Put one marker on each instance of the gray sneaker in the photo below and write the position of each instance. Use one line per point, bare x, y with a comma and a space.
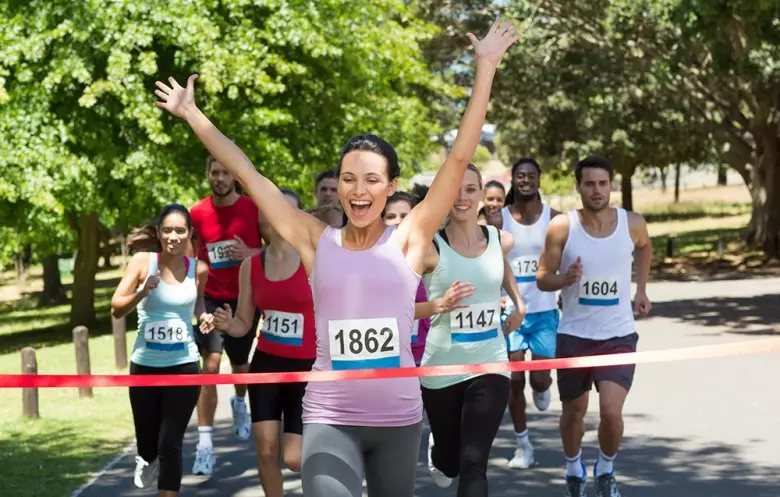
606, 486
575, 487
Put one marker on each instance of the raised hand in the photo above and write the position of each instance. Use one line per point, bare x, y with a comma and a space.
151, 283
206, 323
176, 99
642, 304
496, 42
452, 297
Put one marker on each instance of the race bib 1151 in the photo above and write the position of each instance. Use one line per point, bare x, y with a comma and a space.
284, 328
599, 291
364, 343
475, 323
218, 255
170, 334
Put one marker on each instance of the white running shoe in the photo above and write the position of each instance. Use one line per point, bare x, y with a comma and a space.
241, 423
205, 460
145, 473
524, 457
440, 479
542, 399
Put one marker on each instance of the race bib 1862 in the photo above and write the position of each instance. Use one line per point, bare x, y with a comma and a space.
364, 343
218, 256
524, 268
599, 291
475, 323
284, 328
170, 334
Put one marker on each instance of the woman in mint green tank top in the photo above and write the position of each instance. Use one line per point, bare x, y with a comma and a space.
465, 410
166, 287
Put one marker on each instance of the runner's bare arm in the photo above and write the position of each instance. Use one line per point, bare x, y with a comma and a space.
125, 296
201, 277
298, 228
643, 254
417, 229
548, 277
242, 321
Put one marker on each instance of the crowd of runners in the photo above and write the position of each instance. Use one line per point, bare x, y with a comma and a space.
373, 277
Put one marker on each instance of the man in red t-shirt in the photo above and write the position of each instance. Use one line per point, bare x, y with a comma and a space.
227, 231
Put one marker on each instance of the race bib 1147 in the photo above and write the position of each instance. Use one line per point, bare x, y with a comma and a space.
170, 334
218, 255
599, 291
284, 328
364, 343
475, 323
524, 268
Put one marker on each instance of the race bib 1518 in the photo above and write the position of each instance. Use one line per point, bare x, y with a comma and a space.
599, 291
284, 328
475, 323
218, 255
364, 343
170, 334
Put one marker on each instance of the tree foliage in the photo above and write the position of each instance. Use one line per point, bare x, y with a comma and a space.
289, 80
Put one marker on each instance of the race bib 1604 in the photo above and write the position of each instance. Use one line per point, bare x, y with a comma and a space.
284, 328
599, 291
364, 343
475, 323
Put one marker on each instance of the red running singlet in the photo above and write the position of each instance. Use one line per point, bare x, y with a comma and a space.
215, 228
288, 313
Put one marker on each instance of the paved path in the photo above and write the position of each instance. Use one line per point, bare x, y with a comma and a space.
705, 428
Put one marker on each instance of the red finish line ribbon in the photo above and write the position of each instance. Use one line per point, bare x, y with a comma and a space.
752, 347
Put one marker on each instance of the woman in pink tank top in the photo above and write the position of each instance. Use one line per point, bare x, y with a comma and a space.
364, 280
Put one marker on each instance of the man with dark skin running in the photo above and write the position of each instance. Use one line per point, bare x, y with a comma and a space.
227, 227
526, 217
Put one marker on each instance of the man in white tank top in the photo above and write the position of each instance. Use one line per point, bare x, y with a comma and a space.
588, 255
526, 218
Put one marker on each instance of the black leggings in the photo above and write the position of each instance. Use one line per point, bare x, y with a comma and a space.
464, 420
161, 416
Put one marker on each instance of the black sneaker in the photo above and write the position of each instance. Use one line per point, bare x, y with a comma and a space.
606, 486
575, 487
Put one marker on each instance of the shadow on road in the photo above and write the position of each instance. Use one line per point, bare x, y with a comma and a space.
647, 466
755, 316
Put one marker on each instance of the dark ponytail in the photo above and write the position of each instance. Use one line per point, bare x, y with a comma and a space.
510, 197
146, 239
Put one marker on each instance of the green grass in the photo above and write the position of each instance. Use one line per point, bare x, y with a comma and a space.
74, 437
692, 210
695, 243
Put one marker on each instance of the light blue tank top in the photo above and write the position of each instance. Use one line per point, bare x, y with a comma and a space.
472, 335
165, 334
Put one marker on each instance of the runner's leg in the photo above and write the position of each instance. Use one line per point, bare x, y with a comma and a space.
332, 461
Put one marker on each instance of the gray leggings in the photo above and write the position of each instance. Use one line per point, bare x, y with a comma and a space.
335, 458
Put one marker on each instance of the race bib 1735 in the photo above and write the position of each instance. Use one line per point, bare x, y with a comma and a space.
524, 268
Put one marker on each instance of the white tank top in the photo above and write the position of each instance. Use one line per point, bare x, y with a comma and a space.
599, 306
524, 260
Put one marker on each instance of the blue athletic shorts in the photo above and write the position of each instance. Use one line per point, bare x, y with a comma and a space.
537, 333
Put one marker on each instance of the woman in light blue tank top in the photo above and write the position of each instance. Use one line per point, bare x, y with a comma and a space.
364, 280
166, 287
465, 410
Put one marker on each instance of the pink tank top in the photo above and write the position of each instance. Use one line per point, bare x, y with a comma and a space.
364, 310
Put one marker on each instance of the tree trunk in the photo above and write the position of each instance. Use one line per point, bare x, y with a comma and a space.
763, 231
663, 173
53, 292
677, 168
82, 310
626, 191
106, 249
722, 175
